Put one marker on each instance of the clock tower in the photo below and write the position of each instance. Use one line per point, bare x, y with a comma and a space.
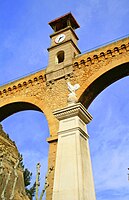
63, 47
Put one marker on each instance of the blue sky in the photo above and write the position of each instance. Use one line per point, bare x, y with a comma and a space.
24, 39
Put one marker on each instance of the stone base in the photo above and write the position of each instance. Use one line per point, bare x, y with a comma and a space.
73, 173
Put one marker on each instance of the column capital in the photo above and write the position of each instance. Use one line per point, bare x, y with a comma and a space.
73, 110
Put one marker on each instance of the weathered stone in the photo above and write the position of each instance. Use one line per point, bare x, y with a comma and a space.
11, 180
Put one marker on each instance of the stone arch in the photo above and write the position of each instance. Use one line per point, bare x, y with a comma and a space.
17, 104
12, 108
100, 80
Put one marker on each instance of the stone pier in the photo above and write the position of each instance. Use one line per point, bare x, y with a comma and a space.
73, 172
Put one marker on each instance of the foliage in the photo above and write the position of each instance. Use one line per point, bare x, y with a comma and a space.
27, 177
27, 181
31, 191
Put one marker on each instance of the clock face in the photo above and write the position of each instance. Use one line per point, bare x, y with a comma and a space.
60, 38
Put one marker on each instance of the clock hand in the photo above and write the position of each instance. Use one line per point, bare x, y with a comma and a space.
60, 38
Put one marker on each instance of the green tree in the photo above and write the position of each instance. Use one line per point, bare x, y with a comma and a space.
27, 181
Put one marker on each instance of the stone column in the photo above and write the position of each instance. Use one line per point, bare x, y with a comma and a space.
73, 178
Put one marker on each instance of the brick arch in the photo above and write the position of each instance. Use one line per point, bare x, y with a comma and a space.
102, 79
17, 104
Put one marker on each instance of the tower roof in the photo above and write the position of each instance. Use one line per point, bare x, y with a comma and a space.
63, 22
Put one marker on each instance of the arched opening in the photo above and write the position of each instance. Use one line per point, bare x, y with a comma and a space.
60, 57
107, 99
109, 141
12, 108
103, 81
27, 126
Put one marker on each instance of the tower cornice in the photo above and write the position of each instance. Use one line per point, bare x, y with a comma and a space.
70, 40
63, 30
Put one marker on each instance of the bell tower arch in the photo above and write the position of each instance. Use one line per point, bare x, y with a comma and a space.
63, 48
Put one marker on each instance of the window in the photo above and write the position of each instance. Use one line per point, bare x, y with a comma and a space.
60, 57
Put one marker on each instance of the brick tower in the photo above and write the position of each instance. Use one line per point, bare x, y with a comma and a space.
63, 47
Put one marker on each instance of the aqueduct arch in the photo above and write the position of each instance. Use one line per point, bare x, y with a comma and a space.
20, 103
17, 104
101, 80
12, 108
47, 90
